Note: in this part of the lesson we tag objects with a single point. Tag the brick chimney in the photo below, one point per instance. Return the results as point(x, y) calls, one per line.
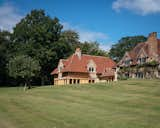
point(152, 45)
point(78, 52)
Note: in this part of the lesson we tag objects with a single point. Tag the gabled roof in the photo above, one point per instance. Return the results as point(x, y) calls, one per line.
point(55, 71)
point(139, 47)
point(76, 64)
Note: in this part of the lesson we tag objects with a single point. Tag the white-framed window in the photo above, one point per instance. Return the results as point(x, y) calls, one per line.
point(91, 69)
point(142, 60)
point(128, 62)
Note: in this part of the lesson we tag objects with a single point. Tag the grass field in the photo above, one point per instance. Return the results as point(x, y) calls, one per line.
point(125, 104)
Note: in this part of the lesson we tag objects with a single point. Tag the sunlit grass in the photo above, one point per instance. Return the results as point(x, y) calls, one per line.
point(124, 104)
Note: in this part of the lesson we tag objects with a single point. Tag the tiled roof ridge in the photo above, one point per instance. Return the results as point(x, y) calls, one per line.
point(64, 59)
point(70, 59)
point(95, 56)
point(140, 43)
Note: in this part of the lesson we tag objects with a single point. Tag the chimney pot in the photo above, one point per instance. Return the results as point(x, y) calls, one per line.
point(153, 35)
point(78, 49)
point(78, 52)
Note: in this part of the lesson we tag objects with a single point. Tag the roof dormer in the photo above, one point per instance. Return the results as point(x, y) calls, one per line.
point(91, 66)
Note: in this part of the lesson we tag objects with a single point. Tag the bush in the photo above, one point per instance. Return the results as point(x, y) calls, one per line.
point(122, 77)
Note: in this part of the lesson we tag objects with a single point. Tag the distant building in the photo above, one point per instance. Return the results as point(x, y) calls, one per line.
point(81, 68)
point(143, 61)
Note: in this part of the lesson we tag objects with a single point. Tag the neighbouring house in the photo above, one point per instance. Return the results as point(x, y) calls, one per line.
point(81, 68)
point(143, 61)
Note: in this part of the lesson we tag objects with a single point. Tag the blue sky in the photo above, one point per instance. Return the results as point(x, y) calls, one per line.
point(105, 21)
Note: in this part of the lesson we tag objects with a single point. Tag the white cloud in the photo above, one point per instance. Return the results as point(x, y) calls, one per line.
point(8, 16)
point(106, 46)
point(91, 36)
point(142, 7)
point(85, 35)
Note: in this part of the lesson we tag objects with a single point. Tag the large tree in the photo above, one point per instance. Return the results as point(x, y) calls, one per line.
point(71, 38)
point(124, 44)
point(23, 67)
point(37, 35)
point(4, 54)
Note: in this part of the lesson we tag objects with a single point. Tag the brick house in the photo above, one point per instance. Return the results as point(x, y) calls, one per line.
point(81, 68)
point(143, 61)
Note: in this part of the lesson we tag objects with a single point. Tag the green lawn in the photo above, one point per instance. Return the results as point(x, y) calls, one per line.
point(125, 104)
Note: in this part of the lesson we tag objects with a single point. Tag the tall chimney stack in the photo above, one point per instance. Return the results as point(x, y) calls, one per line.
point(152, 45)
point(78, 52)
point(152, 37)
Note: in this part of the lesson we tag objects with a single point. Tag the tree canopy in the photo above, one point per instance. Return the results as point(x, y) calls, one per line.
point(37, 35)
point(4, 54)
point(92, 48)
point(71, 38)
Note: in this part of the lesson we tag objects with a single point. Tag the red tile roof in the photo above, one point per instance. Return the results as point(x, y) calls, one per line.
point(76, 64)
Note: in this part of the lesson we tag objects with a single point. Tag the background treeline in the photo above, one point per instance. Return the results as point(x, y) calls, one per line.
point(33, 49)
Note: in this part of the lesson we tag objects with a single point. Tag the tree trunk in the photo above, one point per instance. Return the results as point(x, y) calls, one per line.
point(29, 84)
point(25, 86)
